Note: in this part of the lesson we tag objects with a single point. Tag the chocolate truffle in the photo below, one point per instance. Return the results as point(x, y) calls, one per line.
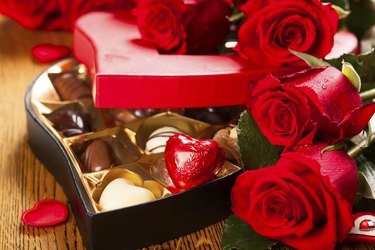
point(157, 140)
point(69, 87)
point(97, 156)
point(227, 138)
point(124, 116)
point(123, 193)
point(70, 120)
point(214, 115)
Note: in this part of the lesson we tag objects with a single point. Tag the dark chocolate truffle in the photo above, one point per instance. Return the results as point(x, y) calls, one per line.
point(97, 156)
point(69, 87)
point(124, 116)
point(70, 121)
point(214, 115)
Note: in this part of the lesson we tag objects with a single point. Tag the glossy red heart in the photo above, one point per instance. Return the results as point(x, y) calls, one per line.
point(191, 162)
point(46, 53)
point(45, 213)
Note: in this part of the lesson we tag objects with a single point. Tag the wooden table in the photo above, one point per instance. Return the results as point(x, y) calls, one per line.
point(24, 180)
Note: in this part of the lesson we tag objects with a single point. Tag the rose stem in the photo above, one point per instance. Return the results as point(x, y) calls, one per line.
point(367, 95)
point(356, 150)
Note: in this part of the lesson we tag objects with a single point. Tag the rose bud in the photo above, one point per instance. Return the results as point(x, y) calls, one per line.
point(236, 3)
point(207, 26)
point(273, 27)
point(77, 8)
point(160, 23)
point(316, 103)
point(304, 201)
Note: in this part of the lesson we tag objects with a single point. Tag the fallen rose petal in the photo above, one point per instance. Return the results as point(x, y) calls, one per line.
point(344, 42)
point(46, 53)
point(45, 213)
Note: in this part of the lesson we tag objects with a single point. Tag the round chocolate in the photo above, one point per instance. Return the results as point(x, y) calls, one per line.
point(70, 121)
point(158, 139)
point(124, 116)
point(213, 115)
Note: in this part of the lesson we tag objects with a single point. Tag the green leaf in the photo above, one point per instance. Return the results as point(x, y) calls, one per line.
point(349, 71)
point(363, 64)
point(341, 3)
point(369, 132)
point(366, 185)
point(367, 95)
point(363, 204)
point(362, 16)
point(368, 40)
point(352, 59)
point(240, 236)
point(255, 149)
point(338, 146)
point(236, 17)
point(341, 12)
point(312, 61)
point(367, 61)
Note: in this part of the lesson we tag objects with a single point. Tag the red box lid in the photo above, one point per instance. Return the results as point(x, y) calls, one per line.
point(128, 74)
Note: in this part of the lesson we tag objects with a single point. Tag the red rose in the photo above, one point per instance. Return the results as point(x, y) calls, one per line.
point(32, 15)
point(160, 23)
point(207, 26)
point(274, 26)
point(305, 200)
point(316, 103)
point(54, 14)
point(72, 10)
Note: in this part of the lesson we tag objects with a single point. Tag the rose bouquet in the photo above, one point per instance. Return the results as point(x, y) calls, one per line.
point(311, 130)
point(301, 133)
point(305, 138)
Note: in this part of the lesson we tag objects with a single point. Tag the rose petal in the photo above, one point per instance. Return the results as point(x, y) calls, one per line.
point(325, 86)
point(46, 53)
point(45, 213)
point(357, 120)
point(336, 164)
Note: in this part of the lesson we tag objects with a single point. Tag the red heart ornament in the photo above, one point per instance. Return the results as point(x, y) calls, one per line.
point(46, 53)
point(363, 229)
point(191, 162)
point(45, 213)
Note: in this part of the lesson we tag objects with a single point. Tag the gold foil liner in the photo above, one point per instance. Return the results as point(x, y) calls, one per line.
point(99, 181)
point(123, 148)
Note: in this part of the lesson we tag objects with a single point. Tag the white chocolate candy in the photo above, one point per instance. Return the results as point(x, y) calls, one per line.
point(123, 193)
point(158, 139)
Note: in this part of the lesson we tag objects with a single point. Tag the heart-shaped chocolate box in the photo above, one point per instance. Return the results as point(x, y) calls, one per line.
point(124, 133)
point(63, 153)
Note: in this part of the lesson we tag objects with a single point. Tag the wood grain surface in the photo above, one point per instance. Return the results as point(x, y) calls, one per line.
point(24, 180)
